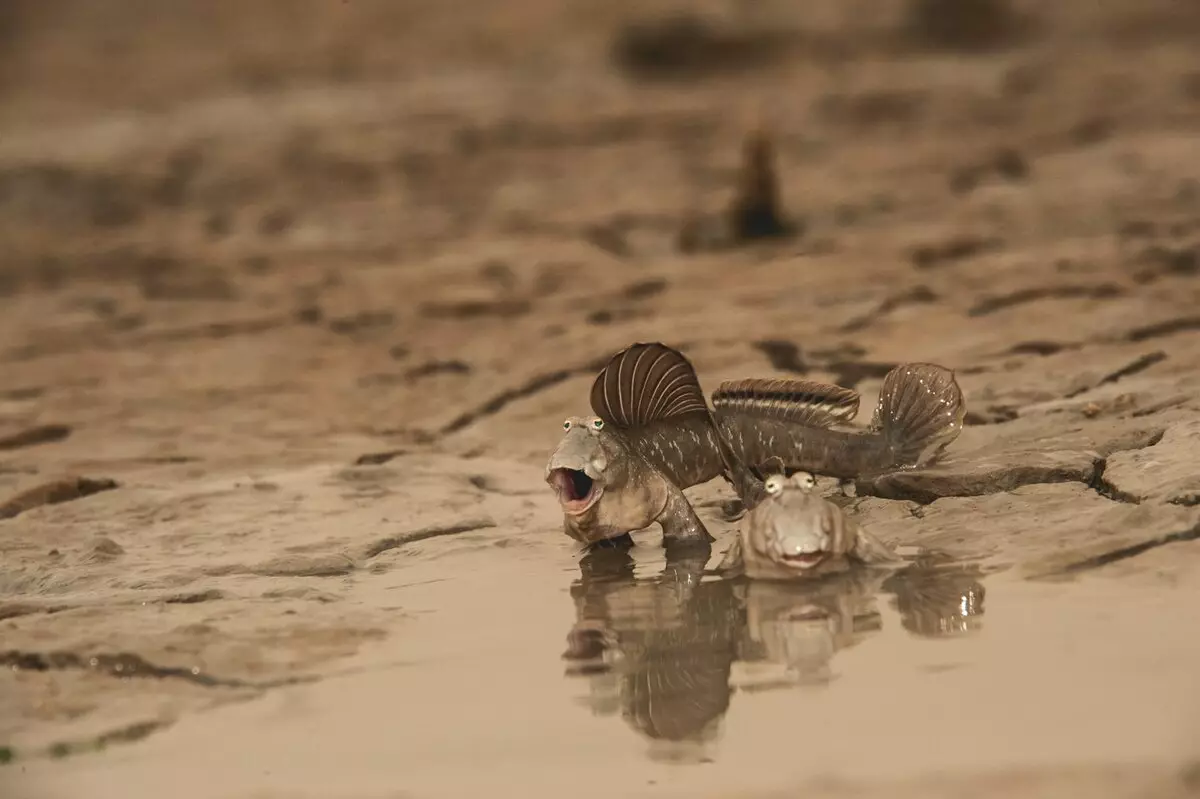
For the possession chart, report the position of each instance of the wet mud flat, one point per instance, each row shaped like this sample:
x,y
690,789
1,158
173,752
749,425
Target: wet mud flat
x,y
287,330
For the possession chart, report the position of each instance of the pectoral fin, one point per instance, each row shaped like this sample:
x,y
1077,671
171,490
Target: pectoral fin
x,y
679,521
731,563
872,551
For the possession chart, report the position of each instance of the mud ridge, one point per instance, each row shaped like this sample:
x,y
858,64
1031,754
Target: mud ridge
x,y
378,458
990,305
787,357
929,485
1139,364
1170,327
783,355
1104,488
960,248
42,434
1125,553
526,389
976,475
395,541
917,295
54,493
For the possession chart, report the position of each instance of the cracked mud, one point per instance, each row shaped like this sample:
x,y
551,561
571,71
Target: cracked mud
x,y
290,324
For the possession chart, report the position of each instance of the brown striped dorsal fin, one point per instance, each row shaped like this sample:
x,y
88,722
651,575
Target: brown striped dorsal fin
x,y
646,383
805,402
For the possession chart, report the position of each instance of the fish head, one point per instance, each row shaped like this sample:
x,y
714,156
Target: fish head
x,y
587,461
794,526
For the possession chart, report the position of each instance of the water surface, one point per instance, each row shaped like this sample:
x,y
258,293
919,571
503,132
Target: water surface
x,y
515,671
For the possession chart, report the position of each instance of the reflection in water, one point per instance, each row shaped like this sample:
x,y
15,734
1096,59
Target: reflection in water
x,y
937,598
793,630
659,649
667,650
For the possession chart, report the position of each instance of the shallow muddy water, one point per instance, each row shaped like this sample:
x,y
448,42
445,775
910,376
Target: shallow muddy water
x,y
520,670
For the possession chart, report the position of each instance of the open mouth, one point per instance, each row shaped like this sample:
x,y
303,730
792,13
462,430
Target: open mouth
x,y
576,491
804,560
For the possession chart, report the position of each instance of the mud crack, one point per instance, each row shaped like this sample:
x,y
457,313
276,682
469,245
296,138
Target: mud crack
x,y
395,541
55,493
990,305
1139,364
787,357
1170,327
527,389
42,434
988,472
917,295
1106,489
1131,551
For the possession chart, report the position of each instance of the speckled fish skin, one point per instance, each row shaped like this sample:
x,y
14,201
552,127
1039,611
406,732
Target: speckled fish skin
x,y
652,436
633,494
796,520
833,453
658,436
919,413
686,451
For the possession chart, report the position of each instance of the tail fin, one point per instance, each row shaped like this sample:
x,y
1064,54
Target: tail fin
x,y
920,412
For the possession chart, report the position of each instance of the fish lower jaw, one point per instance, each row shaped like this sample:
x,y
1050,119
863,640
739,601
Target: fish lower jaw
x,y
578,507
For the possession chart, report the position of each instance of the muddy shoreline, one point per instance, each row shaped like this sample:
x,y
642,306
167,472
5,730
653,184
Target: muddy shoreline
x,y
289,327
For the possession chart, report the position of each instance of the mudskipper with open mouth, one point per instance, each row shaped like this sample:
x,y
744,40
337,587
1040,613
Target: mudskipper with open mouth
x,y
653,435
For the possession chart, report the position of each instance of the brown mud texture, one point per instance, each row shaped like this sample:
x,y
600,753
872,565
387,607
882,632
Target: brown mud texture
x,y
295,295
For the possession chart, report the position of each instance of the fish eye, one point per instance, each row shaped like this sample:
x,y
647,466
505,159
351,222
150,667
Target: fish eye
x,y
804,480
567,424
774,484
597,424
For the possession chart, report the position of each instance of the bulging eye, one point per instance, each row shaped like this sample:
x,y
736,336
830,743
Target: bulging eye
x,y
567,424
597,424
774,484
805,480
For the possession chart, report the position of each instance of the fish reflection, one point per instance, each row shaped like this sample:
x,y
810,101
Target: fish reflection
x,y
657,649
793,629
937,597
666,651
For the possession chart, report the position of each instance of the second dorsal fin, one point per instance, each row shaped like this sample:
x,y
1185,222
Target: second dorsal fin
x,y
646,383
806,402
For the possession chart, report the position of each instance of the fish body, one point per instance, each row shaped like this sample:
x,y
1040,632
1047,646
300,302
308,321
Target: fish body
x,y
795,533
653,434
801,425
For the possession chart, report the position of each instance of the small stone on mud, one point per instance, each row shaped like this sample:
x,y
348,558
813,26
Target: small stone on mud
x,y
103,548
